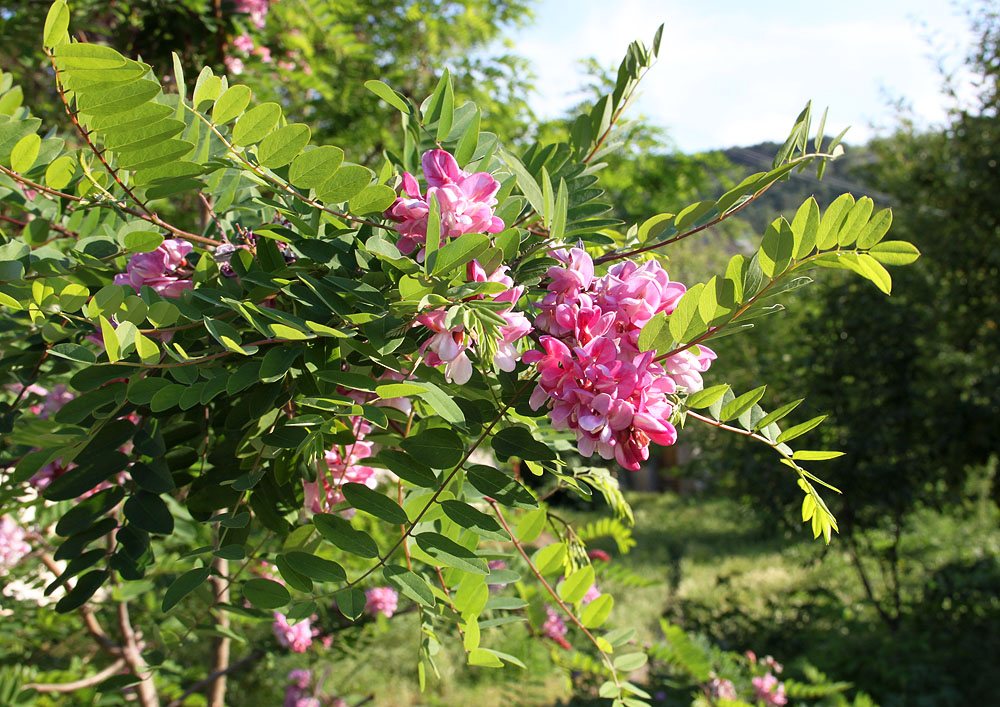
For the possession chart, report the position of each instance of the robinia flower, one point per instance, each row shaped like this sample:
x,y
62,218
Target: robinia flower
x,y
593,376
722,689
12,545
298,637
770,690
381,600
158,269
555,628
466,201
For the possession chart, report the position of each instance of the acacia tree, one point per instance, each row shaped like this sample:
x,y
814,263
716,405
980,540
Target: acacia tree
x,y
320,404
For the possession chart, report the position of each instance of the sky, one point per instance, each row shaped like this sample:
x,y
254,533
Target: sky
x,y
733,72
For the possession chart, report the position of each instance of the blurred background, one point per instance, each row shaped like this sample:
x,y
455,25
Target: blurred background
x,y
904,604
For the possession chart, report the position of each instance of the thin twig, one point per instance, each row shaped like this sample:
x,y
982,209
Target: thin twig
x,y
90,681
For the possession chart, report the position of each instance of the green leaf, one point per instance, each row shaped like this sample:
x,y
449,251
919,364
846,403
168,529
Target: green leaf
x,y
231,104
684,321
410,584
386,93
277,361
473,519
442,404
459,252
60,173
855,221
347,181
350,602
22,157
283,145
206,89
799,430
316,568
439,447
472,596
156,155
450,553
574,587
805,455
256,124
373,199
375,503
56,24
407,468
777,414
482,658
739,405
894,252
340,532
630,662
597,611
87,56
775,254
870,268
313,167
550,559
184,585
690,214
707,397
531,525
102,99
654,334
85,588
529,187
111,346
265,593
833,219
499,486
652,227
875,229
805,228
469,141
433,241
148,512
447,112
142,241
518,442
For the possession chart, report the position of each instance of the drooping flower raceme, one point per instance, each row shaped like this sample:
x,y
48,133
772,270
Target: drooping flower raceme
x,y
722,689
298,637
554,627
158,269
770,690
12,544
381,600
343,465
466,201
594,378
448,346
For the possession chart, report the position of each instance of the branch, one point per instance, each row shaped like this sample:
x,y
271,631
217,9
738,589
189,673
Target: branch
x,y
78,684
130,650
89,619
238,665
221,644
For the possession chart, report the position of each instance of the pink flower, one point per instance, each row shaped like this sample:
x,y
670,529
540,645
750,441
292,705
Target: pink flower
x,y
257,9
295,692
244,43
722,689
234,65
687,366
466,202
286,65
594,379
343,465
770,690
298,637
158,269
447,346
599,555
554,627
300,678
12,545
265,54
591,594
381,600
771,664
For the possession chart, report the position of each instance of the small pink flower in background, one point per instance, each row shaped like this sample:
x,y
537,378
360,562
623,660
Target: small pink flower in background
x,y
466,201
771,664
770,690
343,465
381,600
591,594
722,689
244,43
234,65
298,637
555,628
30,194
300,678
257,9
752,657
12,545
265,54
286,65
599,555
297,689
158,269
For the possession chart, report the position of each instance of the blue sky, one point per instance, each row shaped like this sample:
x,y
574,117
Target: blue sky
x,y
736,73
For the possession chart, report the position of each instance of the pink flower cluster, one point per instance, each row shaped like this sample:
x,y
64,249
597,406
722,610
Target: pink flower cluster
x,y
555,628
298,637
722,689
770,690
466,201
448,346
297,691
12,545
257,9
343,465
158,269
591,594
381,600
593,376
